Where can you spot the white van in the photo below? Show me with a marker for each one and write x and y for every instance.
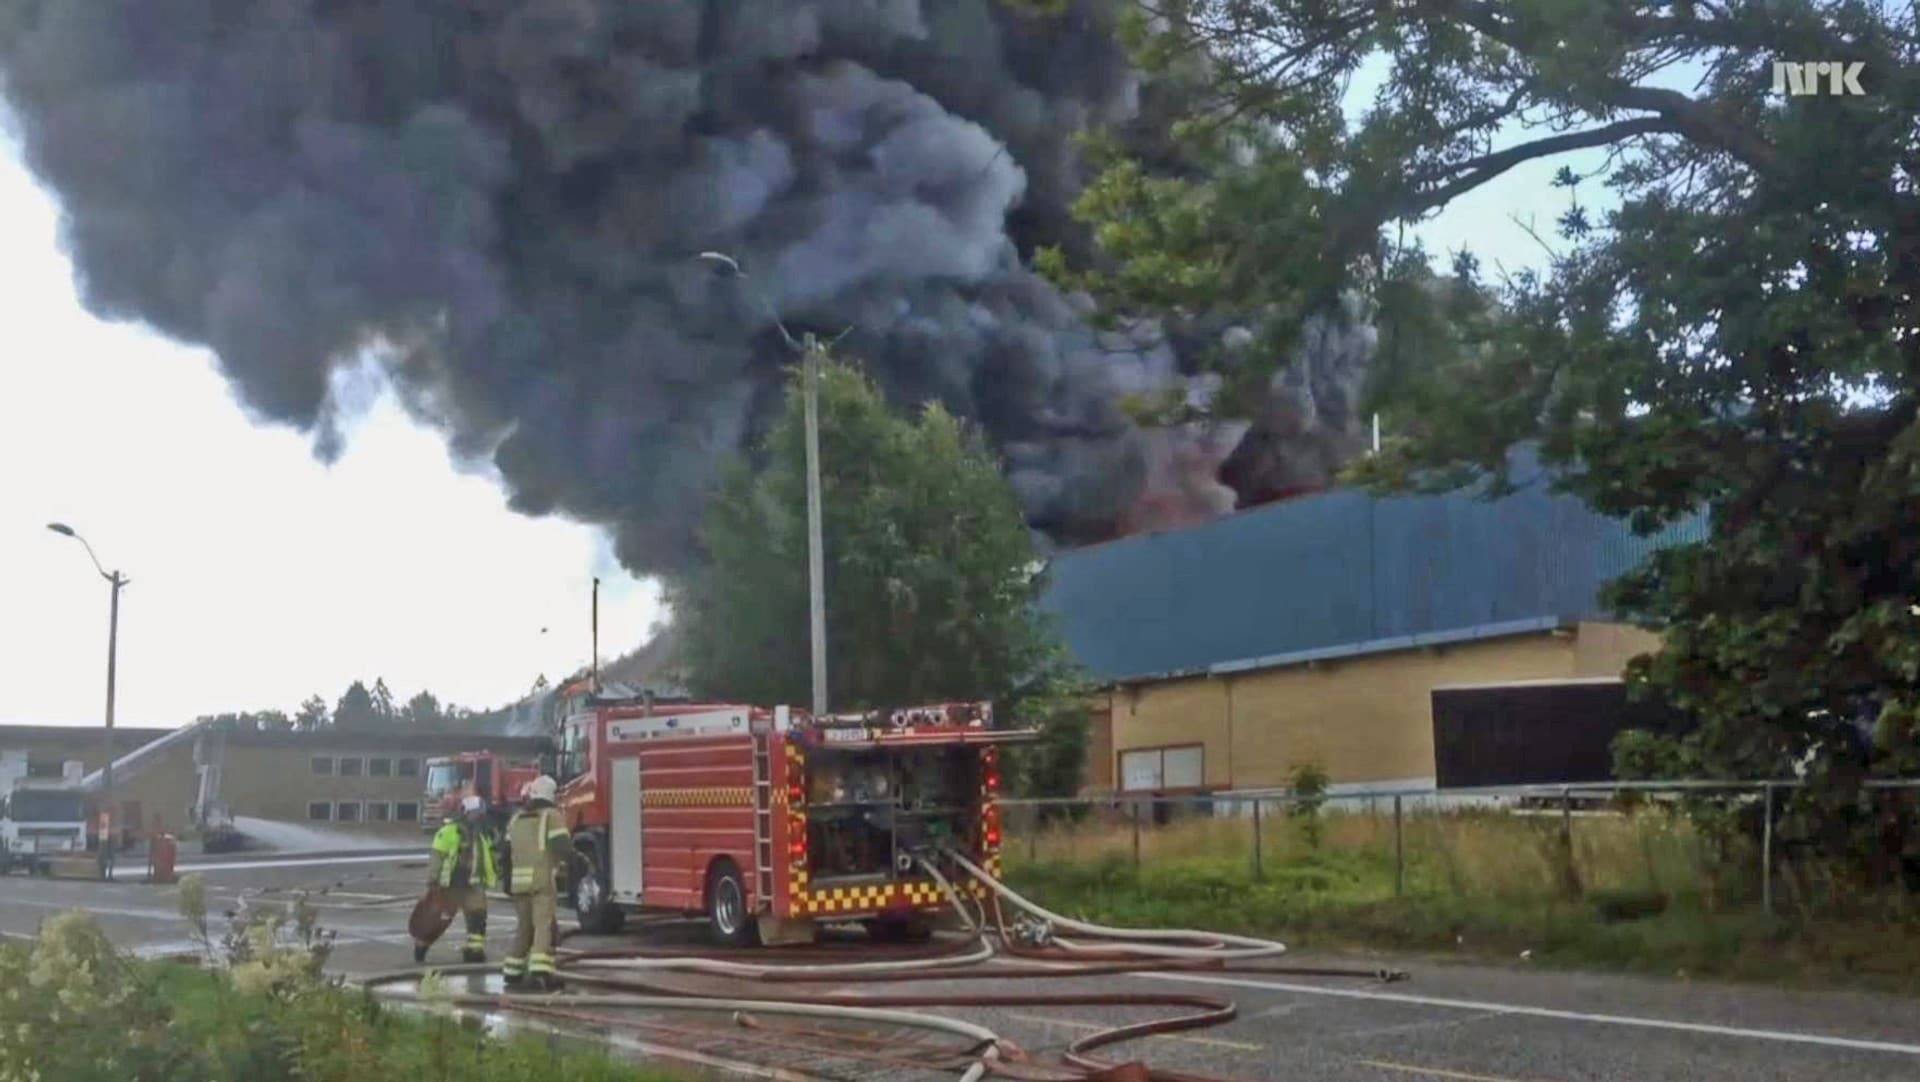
(38, 824)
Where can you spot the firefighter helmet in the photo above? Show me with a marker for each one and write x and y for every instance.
(540, 788)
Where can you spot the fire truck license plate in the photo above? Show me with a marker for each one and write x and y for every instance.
(835, 736)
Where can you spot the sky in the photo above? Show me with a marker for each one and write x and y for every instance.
(259, 575)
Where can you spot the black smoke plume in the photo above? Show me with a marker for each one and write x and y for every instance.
(499, 200)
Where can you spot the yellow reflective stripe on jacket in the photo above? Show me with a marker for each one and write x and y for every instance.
(526, 834)
(482, 869)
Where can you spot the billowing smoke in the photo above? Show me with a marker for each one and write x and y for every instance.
(500, 200)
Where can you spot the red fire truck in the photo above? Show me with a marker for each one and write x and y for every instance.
(769, 820)
(452, 778)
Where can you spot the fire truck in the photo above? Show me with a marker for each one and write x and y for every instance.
(768, 821)
(452, 778)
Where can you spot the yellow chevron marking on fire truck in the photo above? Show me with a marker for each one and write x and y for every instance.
(870, 897)
(696, 798)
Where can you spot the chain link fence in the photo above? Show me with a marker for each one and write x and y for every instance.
(1722, 845)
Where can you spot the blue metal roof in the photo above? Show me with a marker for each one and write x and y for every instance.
(1330, 572)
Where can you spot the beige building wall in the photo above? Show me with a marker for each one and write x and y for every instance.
(368, 784)
(164, 789)
(283, 783)
(1604, 649)
(1364, 720)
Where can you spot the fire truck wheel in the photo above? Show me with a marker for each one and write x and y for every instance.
(727, 916)
(592, 901)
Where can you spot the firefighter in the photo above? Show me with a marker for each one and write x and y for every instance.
(464, 866)
(540, 847)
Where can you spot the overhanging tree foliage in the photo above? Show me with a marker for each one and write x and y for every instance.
(931, 578)
(1741, 335)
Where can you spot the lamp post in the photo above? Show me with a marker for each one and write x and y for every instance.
(115, 580)
(810, 351)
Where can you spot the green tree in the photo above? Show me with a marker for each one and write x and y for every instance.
(250, 720)
(273, 721)
(1738, 333)
(423, 711)
(355, 710)
(385, 711)
(312, 715)
(930, 571)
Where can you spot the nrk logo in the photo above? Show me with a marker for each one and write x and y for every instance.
(1818, 77)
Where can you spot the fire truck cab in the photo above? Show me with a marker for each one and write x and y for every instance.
(452, 778)
(765, 818)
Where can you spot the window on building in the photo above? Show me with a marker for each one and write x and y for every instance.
(320, 811)
(379, 768)
(379, 811)
(1150, 769)
(322, 765)
(347, 811)
(407, 768)
(1181, 767)
(44, 768)
(350, 766)
(406, 811)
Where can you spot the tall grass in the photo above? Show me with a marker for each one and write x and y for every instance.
(1642, 890)
(1479, 853)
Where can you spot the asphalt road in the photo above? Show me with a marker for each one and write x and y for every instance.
(1457, 1022)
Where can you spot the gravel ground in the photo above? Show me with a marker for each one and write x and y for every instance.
(1467, 1023)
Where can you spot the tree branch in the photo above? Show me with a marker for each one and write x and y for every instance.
(1687, 116)
(1694, 119)
(1483, 169)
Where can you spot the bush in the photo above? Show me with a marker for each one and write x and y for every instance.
(73, 1009)
(1308, 784)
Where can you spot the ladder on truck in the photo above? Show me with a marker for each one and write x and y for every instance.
(763, 818)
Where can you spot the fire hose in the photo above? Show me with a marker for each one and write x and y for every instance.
(986, 1052)
(1221, 945)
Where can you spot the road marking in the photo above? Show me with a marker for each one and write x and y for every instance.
(169, 915)
(1413, 1027)
(1239, 1046)
(290, 862)
(497, 1023)
(1434, 1072)
(1783, 1036)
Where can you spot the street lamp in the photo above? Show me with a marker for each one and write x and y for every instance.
(116, 580)
(810, 352)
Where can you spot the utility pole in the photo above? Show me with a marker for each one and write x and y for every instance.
(811, 353)
(593, 667)
(816, 557)
(113, 649)
(116, 581)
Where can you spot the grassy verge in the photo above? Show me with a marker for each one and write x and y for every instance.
(1639, 893)
(74, 1010)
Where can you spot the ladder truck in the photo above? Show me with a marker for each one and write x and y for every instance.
(768, 821)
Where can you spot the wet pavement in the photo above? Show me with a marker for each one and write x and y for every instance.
(1457, 1022)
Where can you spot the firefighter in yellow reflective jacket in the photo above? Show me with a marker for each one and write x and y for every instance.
(464, 866)
(540, 847)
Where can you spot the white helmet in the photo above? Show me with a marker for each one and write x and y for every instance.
(540, 788)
